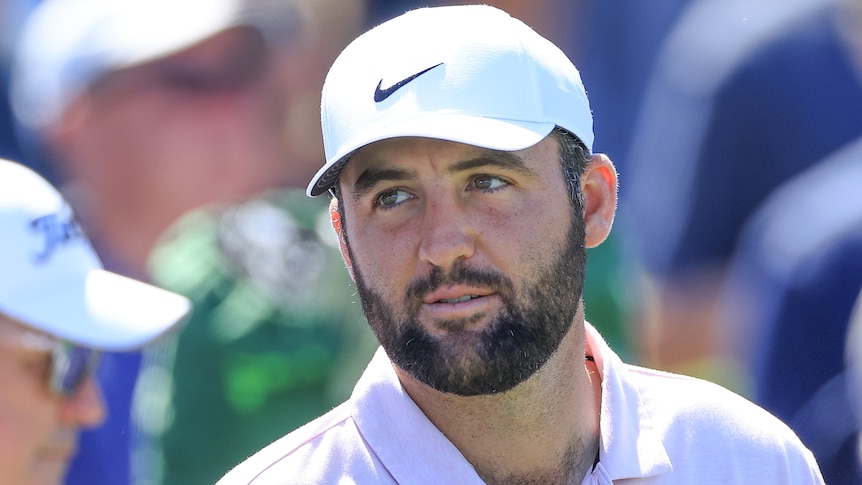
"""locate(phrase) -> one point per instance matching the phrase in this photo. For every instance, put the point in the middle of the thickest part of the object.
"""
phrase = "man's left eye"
(488, 182)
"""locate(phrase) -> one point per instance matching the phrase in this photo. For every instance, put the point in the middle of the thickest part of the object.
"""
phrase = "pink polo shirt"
(656, 428)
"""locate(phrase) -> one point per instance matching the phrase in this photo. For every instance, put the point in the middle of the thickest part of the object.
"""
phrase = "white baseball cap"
(52, 280)
(470, 74)
(65, 45)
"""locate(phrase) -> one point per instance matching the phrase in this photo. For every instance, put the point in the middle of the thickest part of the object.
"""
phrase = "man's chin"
(50, 471)
(461, 371)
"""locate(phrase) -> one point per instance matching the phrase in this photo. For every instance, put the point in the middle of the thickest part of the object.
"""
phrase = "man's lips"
(458, 302)
(455, 294)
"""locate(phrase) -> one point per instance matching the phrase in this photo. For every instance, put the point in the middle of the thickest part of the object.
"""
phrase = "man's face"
(197, 127)
(469, 263)
(38, 430)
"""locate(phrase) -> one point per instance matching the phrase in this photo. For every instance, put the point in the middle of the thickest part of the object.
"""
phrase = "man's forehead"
(391, 152)
(400, 158)
(15, 332)
(393, 148)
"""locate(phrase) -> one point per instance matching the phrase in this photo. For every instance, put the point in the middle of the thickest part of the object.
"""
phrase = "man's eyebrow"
(499, 159)
(373, 176)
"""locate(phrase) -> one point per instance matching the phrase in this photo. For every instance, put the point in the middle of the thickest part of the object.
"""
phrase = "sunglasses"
(70, 365)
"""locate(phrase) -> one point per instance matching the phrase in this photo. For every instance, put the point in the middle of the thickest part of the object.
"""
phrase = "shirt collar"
(630, 447)
(413, 450)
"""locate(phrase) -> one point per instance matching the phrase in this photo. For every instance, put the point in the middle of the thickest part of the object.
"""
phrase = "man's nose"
(86, 407)
(447, 234)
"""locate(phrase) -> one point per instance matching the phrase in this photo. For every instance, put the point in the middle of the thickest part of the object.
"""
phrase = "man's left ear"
(335, 217)
(599, 188)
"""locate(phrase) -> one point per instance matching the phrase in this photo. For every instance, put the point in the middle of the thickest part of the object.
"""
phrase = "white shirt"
(656, 428)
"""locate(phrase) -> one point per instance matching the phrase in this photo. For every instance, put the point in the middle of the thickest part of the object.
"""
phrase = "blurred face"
(38, 428)
(198, 127)
(469, 262)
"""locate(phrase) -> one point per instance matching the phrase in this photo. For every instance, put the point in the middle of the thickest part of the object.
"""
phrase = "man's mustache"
(459, 274)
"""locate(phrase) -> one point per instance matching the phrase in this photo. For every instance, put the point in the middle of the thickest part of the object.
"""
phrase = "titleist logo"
(57, 229)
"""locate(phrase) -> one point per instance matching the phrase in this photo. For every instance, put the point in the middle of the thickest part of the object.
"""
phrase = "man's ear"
(335, 216)
(68, 134)
(599, 187)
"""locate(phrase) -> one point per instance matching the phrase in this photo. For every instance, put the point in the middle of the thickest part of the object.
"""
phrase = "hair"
(574, 157)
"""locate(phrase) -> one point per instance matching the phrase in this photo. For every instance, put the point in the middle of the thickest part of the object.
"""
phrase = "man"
(276, 336)
(209, 119)
(58, 310)
(445, 130)
(145, 109)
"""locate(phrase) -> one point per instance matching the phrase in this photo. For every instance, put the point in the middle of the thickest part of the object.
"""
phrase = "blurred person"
(59, 310)
(119, 104)
(793, 280)
(277, 337)
(464, 206)
(745, 95)
(145, 110)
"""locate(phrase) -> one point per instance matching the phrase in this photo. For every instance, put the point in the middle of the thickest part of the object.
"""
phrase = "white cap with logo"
(52, 280)
(470, 74)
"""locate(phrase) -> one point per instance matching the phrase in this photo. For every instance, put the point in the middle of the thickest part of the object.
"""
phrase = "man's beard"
(515, 344)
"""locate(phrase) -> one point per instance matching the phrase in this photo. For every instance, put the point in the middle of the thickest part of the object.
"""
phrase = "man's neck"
(545, 430)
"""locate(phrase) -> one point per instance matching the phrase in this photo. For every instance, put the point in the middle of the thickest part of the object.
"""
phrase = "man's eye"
(488, 182)
(392, 198)
(37, 364)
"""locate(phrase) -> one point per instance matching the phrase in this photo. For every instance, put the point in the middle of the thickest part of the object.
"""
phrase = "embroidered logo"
(57, 229)
(382, 94)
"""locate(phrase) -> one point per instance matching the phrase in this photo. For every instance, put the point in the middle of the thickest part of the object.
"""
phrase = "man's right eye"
(391, 198)
(37, 364)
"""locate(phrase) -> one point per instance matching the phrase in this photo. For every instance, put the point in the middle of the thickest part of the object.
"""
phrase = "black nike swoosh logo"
(381, 94)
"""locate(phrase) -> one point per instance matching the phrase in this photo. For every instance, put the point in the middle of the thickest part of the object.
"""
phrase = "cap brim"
(107, 311)
(189, 24)
(490, 133)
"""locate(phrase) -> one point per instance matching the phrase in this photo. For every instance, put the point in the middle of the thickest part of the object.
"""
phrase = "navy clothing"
(799, 267)
(773, 119)
(784, 106)
(9, 148)
(104, 452)
(615, 68)
(18, 144)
